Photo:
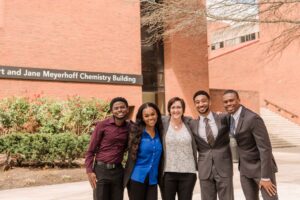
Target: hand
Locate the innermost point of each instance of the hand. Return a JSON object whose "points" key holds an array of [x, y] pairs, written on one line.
{"points": [[219, 113], [268, 186], [92, 179]]}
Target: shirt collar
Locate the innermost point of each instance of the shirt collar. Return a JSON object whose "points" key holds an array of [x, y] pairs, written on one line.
{"points": [[111, 120], [237, 114], [209, 116], [145, 134]]}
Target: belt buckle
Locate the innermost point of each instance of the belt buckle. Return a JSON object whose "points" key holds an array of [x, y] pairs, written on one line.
{"points": [[111, 166]]}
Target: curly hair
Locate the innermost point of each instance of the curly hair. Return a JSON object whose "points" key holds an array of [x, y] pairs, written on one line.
{"points": [[138, 127]]}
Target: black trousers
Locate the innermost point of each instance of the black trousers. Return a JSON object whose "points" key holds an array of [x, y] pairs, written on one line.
{"points": [[109, 183], [142, 191], [181, 183]]}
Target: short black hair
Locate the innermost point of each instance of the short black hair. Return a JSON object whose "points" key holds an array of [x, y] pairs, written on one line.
{"points": [[201, 92], [232, 92], [116, 99]]}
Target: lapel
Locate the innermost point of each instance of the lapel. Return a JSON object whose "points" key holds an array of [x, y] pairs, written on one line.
{"points": [[198, 134], [166, 123], [218, 123], [185, 122], [241, 120]]}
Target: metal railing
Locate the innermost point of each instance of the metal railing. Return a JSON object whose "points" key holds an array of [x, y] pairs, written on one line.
{"points": [[281, 109]]}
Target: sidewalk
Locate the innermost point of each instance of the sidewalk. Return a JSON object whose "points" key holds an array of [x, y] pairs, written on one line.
{"points": [[288, 179]]}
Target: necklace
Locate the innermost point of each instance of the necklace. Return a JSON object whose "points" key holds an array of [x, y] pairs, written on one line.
{"points": [[177, 126]]}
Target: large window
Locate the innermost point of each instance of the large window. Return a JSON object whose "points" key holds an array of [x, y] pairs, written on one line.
{"points": [[234, 41], [153, 73]]}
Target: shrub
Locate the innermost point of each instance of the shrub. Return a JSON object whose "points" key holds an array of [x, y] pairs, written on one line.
{"points": [[42, 115], [41, 148], [80, 115], [49, 115], [14, 112]]}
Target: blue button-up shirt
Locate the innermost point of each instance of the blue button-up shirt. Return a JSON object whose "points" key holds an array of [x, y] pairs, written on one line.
{"points": [[148, 158]]}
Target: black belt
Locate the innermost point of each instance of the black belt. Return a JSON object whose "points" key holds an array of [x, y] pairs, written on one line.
{"points": [[108, 165]]}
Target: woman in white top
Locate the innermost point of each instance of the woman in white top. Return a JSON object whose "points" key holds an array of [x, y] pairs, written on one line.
{"points": [[180, 152]]}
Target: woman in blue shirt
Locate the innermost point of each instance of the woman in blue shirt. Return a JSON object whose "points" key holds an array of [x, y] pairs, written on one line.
{"points": [[144, 156]]}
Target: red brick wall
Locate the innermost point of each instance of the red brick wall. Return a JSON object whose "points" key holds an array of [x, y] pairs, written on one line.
{"points": [[252, 68], [101, 36], [186, 69], [249, 99]]}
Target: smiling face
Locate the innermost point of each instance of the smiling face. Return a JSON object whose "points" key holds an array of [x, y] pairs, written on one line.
{"points": [[119, 110], [202, 104], [231, 103], [150, 117], [176, 110]]}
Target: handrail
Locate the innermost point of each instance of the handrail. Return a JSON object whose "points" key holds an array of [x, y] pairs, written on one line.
{"points": [[279, 109]]}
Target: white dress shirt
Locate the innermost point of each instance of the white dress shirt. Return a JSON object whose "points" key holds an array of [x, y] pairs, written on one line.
{"points": [[211, 122], [236, 117]]}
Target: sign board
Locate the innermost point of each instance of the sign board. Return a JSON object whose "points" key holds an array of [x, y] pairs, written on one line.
{"points": [[42, 74]]}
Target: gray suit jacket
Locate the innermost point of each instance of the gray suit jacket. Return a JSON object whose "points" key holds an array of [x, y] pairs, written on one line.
{"points": [[254, 147], [219, 154], [166, 123]]}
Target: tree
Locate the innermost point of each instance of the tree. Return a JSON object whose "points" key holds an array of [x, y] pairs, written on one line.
{"points": [[188, 17]]}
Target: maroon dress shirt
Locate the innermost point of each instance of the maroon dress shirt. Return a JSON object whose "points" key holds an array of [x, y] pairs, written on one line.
{"points": [[108, 143]]}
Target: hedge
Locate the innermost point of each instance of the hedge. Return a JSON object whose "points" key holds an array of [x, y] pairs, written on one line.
{"points": [[43, 115], [44, 148]]}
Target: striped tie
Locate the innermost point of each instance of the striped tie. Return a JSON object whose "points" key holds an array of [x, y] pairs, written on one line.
{"points": [[209, 133], [232, 125]]}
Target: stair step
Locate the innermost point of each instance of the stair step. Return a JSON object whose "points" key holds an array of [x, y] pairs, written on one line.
{"points": [[282, 132]]}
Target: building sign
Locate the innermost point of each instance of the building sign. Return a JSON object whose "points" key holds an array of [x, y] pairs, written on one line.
{"points": [[41, 74]]}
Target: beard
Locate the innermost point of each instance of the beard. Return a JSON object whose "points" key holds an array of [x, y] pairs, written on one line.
{"points": [[204, 112]]}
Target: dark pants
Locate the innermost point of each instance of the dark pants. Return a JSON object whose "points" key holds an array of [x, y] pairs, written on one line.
{"points": [[181, 183], [142, 191], [215, 186], [250, 188], [109, 183]]}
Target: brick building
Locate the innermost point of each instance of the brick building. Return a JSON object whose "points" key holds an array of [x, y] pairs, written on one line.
{"points": [[100, 39], [239, 59]]}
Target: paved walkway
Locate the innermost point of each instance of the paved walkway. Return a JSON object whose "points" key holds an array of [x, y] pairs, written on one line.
{"points": [[288, 160]]}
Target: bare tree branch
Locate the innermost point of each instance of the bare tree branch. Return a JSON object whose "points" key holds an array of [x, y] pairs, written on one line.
{"points": [[188, 17]]}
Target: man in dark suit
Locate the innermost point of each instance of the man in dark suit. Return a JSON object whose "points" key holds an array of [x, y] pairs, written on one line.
{"points": [[211, 133], [256, 162]]}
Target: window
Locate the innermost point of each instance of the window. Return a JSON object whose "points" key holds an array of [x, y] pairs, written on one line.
{"points": [[221, 44], [217, 45], [248, 37], [243, 39]]}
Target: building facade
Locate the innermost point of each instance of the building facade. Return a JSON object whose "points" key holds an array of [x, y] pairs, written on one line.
{"points": [[93, 48], [251, 65]]}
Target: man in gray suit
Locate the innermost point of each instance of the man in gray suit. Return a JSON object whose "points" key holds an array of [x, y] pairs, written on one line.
{"points": [[211, 133], [256, 162]]}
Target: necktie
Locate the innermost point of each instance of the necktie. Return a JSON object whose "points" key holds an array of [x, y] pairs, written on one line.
{"points": [[209, 133], [232, 126]]}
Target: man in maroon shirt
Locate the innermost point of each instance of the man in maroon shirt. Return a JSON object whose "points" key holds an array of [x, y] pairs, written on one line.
{"points": [[107, 146]]}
